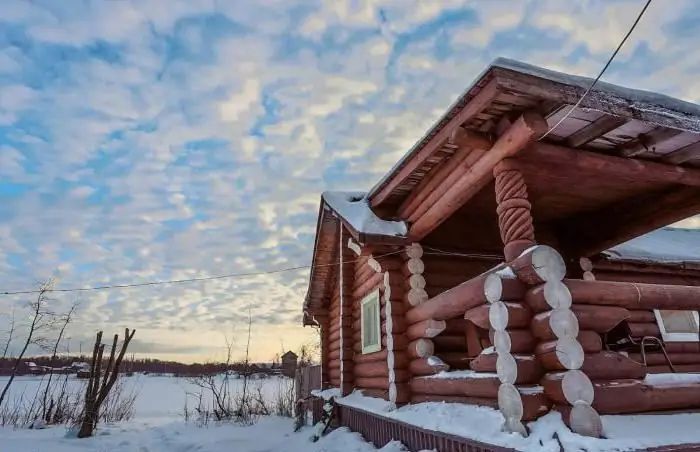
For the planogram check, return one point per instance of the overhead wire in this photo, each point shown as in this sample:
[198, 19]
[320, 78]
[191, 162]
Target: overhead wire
[605, 68]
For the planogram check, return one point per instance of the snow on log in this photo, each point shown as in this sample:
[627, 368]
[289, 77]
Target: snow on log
[643, 329]
[568, 387]
[475, 387]
[634, 295]
[529, 369]
[539, 264]
[450, 343]
[548, 296]
[403, 393]
[451, 303]
[426, 329]
[558, 323]
[427, 366]
[564, 353]
[513, 341]
[421, 348]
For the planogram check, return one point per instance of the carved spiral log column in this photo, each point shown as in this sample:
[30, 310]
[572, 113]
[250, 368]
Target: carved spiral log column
[514, 218]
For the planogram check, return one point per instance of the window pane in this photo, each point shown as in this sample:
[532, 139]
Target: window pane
[679, 321]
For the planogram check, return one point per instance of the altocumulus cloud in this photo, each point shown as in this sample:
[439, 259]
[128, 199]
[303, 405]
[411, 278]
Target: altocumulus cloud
[140, 141]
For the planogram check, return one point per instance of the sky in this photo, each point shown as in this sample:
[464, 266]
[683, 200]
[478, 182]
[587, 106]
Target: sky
[153, 140]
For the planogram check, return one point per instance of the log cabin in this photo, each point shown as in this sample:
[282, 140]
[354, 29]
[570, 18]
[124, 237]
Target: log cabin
[519, 257]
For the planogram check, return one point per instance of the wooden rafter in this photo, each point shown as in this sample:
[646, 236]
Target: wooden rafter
[480, 102]
[450, 196]
[683, 155]
[597, 128]
[647, 141]
[614, 166]
[590, 233]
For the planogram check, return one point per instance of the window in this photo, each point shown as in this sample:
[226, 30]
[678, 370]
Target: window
[677, 326]
[371, 324]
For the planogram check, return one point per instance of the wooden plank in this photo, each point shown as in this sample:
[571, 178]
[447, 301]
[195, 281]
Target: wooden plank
[682, 155]
[475, 106]
[590, 233]
[601, 126]
[610, 165]
[646, 142]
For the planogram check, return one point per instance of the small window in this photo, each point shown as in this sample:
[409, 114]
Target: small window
[678, 326]
[371, 324]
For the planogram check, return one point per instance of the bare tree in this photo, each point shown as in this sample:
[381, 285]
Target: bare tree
[9, 333]
[39, 321]
[47, 408]
[97, 391]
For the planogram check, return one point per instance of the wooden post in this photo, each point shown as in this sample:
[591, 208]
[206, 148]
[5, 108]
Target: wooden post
[514, 217]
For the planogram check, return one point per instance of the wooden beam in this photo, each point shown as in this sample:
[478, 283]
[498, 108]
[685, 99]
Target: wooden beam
[423, 150]
[683, 154]
[450, 197]
[587, 234]
[471, 148]
[646, 141]
[618, 167]
[597, 128]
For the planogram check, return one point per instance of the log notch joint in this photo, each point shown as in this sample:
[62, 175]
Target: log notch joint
[514, 216]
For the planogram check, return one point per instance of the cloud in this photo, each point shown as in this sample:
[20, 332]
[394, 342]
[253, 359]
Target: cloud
[142, 143]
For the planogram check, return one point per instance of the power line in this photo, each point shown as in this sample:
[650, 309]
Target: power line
[188, 280]
[610, 60]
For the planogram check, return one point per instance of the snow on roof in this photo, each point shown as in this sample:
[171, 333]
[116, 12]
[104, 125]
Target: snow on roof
[355, 210]
[665, 245]
[642, 100]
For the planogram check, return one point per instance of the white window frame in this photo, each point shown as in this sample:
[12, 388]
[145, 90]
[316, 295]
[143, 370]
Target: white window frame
[372, 298]
[677, 337]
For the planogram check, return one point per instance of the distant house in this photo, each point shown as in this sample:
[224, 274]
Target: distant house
[289, 364]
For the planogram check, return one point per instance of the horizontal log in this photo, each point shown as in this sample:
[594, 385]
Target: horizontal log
[400, 359]
[529, 370]
[378, 369]
[559, 323]
[456, 360]
[634, 295]
[427, 366]
[335, 363]
[455, 327]
[450, 343]
[521, 341]
[475, 387]
[403, 393]
[643, 329]
[612, 366]
[538, 265]
[638, 316]
[335, 353]
[516, 315]
[420, 348]
[335, 373]
[427, 328]
[564, 353]
[369, 284]
[682, 347]
[452, 303]
[372, 382]
[633, 396]
[347, 332]
[659, 359]
[400, 342]
[590, 341]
